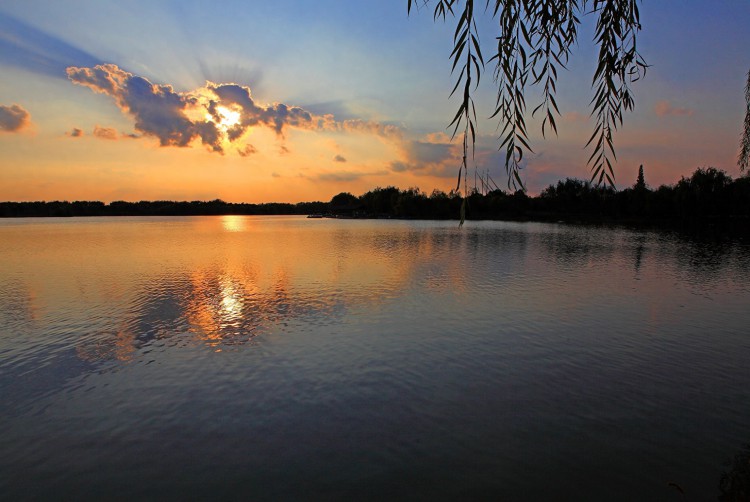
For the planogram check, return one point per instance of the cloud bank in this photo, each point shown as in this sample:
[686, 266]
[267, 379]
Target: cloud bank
[216, 114]
[433, 155]
[14, 118]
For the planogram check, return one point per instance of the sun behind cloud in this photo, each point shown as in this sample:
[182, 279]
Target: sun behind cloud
[227, 117]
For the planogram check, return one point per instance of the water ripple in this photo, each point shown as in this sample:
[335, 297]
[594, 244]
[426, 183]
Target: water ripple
[367, 358]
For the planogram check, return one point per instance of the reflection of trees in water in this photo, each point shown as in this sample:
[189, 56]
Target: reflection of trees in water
[703, 261]
[702, 264]
[573, 247]
[640, 247]
[698, 262]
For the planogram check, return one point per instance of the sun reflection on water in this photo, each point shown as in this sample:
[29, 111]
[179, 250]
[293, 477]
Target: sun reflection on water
[224, 286]
[233, 223]
[230, 312]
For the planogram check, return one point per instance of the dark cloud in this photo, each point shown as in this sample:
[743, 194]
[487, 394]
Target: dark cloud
[13, 118]
[31, 49]
[75, 133]
[158, 110]
[434, 156]
[216, 114]
[105, 132]
[339, 158]
[426, 153]
[399, 166]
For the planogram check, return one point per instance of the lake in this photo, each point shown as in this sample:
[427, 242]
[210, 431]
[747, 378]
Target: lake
[271, 358]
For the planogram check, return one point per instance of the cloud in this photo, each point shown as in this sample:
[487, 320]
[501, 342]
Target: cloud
[248, 150]
[399, 166]
[339, 158]
[386, 131]
[158, 110]
[216, 114]
[237, 99]
[75, 133]
[665, 109]
[425, 153]
[105, 132]
[433, 155]
[348, 175]
[13, 118]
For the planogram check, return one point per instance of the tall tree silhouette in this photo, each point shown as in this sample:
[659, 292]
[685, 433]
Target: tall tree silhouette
[534, 40]
[640, 182]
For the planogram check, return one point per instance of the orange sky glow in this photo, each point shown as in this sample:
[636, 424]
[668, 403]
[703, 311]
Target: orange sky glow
[197, 112]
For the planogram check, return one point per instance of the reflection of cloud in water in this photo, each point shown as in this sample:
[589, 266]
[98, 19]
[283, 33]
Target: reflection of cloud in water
[238, 278]
[119, 345]
[212, 307]
[75, 294]
[231, 304]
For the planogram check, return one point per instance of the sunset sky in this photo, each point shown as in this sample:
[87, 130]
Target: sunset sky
[292, 101]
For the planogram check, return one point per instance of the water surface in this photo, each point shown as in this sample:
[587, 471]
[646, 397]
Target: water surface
[278, 357]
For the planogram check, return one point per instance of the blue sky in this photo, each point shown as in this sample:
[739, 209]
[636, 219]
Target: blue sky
[366, 63]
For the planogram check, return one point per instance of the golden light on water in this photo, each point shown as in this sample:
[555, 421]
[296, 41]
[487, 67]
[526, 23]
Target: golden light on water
[231, 302]
[233, 223]
[237, 277]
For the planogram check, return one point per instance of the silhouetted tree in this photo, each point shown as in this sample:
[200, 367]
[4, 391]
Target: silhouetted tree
[703, 194]
[640, 183]
[344, 203]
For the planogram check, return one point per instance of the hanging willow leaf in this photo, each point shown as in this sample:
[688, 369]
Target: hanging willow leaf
[534, 39]
[745, 141]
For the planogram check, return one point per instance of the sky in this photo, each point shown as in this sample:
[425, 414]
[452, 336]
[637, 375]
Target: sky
[289, 101]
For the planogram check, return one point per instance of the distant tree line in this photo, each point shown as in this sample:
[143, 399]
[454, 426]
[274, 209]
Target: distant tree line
[154, 208]
[708, 192]
[708, 197]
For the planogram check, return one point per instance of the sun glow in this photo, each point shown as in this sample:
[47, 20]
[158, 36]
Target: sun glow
[226, 119]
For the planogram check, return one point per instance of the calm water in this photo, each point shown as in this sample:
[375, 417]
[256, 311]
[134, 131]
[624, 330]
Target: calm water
[283, 358]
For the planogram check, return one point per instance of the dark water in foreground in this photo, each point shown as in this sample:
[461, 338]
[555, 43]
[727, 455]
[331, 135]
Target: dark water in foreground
[282, 358]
